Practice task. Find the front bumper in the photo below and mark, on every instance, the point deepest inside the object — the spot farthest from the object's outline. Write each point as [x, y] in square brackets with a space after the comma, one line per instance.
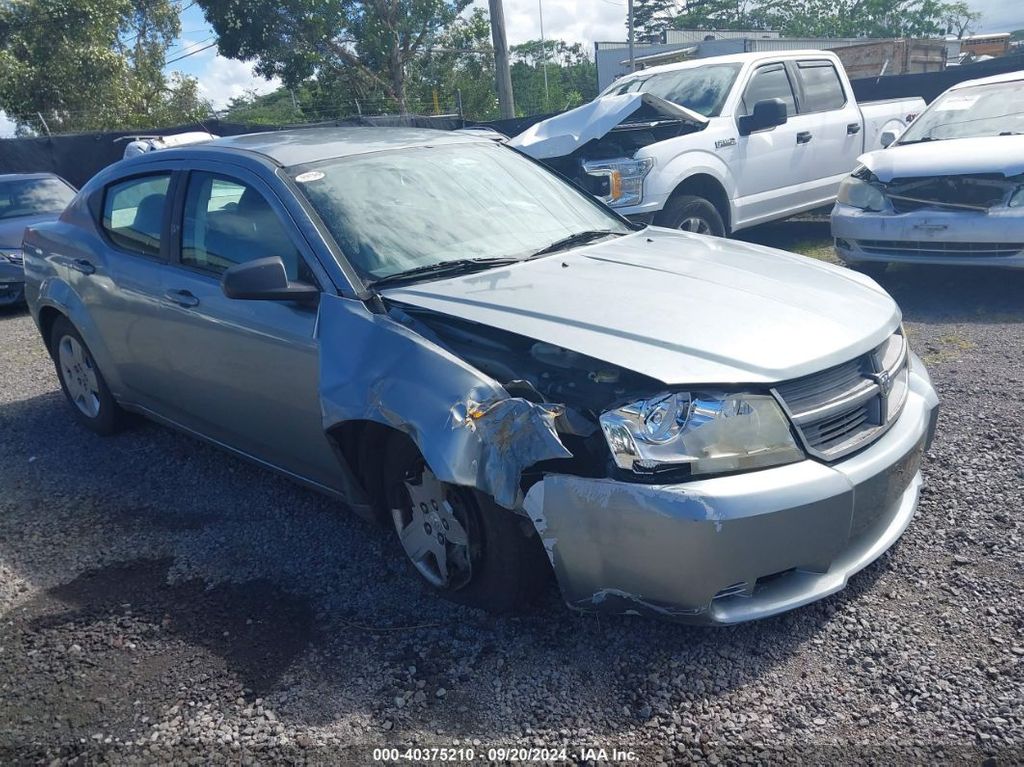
[736, 548]
[12, 284]
[954, 238]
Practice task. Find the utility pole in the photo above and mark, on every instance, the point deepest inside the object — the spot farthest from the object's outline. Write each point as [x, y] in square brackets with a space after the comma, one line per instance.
[632, 61]
[544, 50]
[501, 65]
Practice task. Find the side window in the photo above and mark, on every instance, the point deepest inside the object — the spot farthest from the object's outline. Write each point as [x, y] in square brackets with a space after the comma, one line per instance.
[228, 222]
[822, 88]
[770, 82]
[133, 213]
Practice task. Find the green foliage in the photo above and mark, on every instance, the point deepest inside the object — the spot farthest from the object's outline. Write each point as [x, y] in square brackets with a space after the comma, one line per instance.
[571, 76]
[85, 65]
[362, 46]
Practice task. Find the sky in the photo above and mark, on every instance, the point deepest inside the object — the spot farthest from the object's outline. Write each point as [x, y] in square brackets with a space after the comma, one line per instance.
[584, 21]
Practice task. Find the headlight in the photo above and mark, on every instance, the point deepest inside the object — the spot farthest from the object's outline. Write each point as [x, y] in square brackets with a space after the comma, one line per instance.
[861, 194]
[710, 433]
[625, 179]
[13, 256]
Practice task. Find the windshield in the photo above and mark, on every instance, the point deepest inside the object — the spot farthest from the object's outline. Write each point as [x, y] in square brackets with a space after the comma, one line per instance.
[702, 89]
[33, 196]
[981, 110]
[392, 212]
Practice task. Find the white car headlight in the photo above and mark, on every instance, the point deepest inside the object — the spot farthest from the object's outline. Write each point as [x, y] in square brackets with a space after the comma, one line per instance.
[710, 433]
[625, 179]
[13, 256]
[862, 194]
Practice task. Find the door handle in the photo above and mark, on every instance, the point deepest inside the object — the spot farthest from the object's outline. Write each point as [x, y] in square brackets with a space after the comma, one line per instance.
[181, 298]
[852, 129]
[803, 137]
[83, 266]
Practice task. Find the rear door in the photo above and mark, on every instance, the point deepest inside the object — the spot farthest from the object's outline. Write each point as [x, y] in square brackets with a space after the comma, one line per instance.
[831, 115]
[771, 167]
[244, 373]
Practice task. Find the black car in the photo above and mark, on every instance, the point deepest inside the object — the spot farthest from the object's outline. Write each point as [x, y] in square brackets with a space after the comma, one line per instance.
[26, 199]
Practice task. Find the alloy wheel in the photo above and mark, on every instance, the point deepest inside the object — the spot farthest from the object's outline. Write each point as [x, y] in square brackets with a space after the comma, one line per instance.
[696, 225]
[79, 375]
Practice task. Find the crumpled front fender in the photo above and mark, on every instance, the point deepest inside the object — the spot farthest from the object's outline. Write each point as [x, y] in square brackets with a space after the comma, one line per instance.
[468, 428]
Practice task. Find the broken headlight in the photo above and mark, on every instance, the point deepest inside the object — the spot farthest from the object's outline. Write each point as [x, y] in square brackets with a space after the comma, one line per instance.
[709, 433]
[858, 193]
[622, 180]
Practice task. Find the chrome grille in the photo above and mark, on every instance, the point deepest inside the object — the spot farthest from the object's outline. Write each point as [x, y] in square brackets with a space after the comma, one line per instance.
[848, 406]
[912, 248]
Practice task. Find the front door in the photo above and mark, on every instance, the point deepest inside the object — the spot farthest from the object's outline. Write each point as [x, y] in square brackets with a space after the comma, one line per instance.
[242, 372]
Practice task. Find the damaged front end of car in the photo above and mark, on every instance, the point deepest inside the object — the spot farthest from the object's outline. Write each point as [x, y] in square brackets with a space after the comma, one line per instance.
[596, 145]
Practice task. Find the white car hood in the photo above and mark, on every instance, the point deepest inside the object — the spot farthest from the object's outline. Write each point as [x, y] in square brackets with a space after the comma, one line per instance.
[952, 157]
[563, 134]
[680, 308]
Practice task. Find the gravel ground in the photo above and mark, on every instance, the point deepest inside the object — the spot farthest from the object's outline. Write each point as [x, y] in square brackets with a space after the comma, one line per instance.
[160, 600]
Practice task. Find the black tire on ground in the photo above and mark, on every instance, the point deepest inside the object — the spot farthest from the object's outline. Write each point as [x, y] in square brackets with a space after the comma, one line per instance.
[873, 269]
[691, 214]
[109, 417]
[509, 567]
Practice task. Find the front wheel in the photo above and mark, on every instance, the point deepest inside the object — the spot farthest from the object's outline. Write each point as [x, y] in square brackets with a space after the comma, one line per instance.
[690, 213]
[465, 547]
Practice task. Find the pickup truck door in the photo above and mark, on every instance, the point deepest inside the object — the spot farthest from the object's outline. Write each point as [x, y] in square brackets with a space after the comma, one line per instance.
[772, 167]
[834, 120]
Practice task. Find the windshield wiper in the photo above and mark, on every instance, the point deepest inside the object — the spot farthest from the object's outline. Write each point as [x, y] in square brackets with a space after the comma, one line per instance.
[444, 268]
[580, 238]
[921, 140]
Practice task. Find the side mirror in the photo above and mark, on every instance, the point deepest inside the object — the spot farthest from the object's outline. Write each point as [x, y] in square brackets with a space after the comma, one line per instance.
[888, 136]
[265, 279]
[767, 113]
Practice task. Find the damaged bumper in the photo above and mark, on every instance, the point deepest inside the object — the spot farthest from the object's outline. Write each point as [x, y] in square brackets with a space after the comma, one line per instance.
[740, 547]
[930, 236]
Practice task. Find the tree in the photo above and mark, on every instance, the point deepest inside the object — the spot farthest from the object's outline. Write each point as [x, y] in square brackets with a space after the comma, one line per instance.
[651, 17]
[367, 45]
[960, 19]
[75, 65]
[571, 76]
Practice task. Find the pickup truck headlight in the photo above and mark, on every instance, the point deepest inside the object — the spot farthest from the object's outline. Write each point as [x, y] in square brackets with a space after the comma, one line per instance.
[711, 433]
[862, 194]
[625, 179]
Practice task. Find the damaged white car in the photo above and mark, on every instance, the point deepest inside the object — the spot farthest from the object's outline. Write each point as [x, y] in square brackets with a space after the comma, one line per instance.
[459, 344]
[720, 144]
[950, 190]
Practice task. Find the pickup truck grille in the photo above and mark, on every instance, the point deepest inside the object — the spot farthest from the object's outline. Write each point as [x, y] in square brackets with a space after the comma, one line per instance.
[912, 248]
[847, 407]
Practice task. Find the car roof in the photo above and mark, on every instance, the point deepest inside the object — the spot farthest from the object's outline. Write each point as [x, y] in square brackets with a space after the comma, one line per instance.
[732, 58]
[27, 176]
[308, 145]
[1006, 77]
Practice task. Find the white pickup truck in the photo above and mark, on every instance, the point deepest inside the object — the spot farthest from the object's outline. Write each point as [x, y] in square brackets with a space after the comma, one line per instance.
[719, 144]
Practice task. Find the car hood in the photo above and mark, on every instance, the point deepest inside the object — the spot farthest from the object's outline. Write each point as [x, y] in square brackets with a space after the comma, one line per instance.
[952, 157]
[563, 134]
[13, 229]
[680, 308]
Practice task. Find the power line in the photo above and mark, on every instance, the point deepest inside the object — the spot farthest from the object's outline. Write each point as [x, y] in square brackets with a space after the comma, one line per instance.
[190, 53]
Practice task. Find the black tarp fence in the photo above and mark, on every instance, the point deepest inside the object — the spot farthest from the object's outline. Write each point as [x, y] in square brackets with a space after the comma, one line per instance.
[928, 85]
[78, 157]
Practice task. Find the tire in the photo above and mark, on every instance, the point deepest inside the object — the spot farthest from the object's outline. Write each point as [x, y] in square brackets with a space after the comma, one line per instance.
[690, 213]
[501, 568]
[874, 269]
[81, 381]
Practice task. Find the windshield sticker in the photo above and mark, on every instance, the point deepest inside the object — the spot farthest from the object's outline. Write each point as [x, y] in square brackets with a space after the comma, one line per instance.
[309, 175]
[956, 103]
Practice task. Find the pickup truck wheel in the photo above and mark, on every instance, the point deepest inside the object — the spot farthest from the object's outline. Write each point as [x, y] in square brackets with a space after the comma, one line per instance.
[464, 546]
[690, 213]
[81, 381]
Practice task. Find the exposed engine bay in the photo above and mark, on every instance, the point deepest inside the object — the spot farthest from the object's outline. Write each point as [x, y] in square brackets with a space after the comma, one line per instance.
[967, 192]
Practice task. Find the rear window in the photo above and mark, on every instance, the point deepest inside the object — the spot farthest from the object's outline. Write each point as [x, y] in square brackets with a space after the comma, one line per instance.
[33, 197]
[822, 88]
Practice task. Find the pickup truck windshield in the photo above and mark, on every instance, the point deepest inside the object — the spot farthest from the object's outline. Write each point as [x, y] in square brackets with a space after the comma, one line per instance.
[981, 110]
[33, 197]
[407, 210]
[702, 89]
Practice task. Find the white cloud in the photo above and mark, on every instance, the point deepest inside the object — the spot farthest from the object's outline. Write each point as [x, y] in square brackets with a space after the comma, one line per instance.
[6, 126]
[222, 79]
[575, 21]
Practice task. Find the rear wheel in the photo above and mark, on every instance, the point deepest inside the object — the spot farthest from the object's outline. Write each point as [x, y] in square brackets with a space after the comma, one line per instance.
[690, 213]
[459, 542]
[81, 381]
